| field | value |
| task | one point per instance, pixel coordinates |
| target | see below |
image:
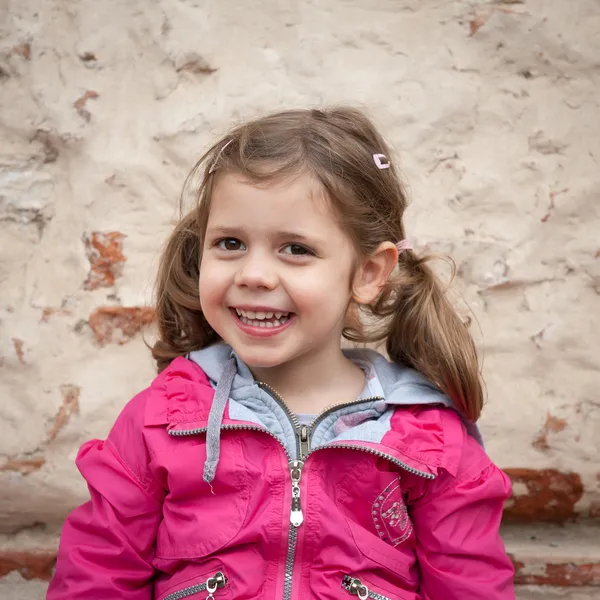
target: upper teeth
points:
(259, 316)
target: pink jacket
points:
(380, 499)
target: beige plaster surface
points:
(104, 106)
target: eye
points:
(297, 250)
(231, 244)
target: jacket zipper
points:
(357, 588)
(218, 580)
(377, 453)
(296, 516)
(290, 415)
(199, 430)
(372, 451)
(303, 434)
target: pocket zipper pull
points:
(218, 581)
(356, 587)
(296, 516)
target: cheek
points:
(325, 291)
(212, 284)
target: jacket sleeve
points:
(459, 549)
(107, 544)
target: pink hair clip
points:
(404, 245)
(213, 167)
(381, 161)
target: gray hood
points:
(235, 383)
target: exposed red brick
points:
(69, 406)
(559, 575)
(477, 23)
(509, 284)
(25, 466)
(80, 103)
(541, 441)
(555, 424)
(551, 495)
(552, 424)
(23, 50)
(105, 253)
(48, 312)
(118, 323)
(594, 510)
(30, 564)
(19, 350)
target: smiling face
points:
(276, 271)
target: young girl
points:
(265, 461)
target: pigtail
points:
(181, 325)
(425, 332)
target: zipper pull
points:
(218, 581)
(304, 442)
(356, 587)
(296, 516)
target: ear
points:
(373, 273)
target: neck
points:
(313, 381)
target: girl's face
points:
(276, 271)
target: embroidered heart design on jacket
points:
(390, 515)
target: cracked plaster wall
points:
(492, 107)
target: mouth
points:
(267, 319)
(264, 323)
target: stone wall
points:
(104, 106)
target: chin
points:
(259, 358)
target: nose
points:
(256, 271)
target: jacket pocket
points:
(393, 559)
(199, 518)
(356, 587)
(391, 569)
(208, 586)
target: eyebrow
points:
(240, 232)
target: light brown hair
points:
(336, 147)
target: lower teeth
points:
(267, 324)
